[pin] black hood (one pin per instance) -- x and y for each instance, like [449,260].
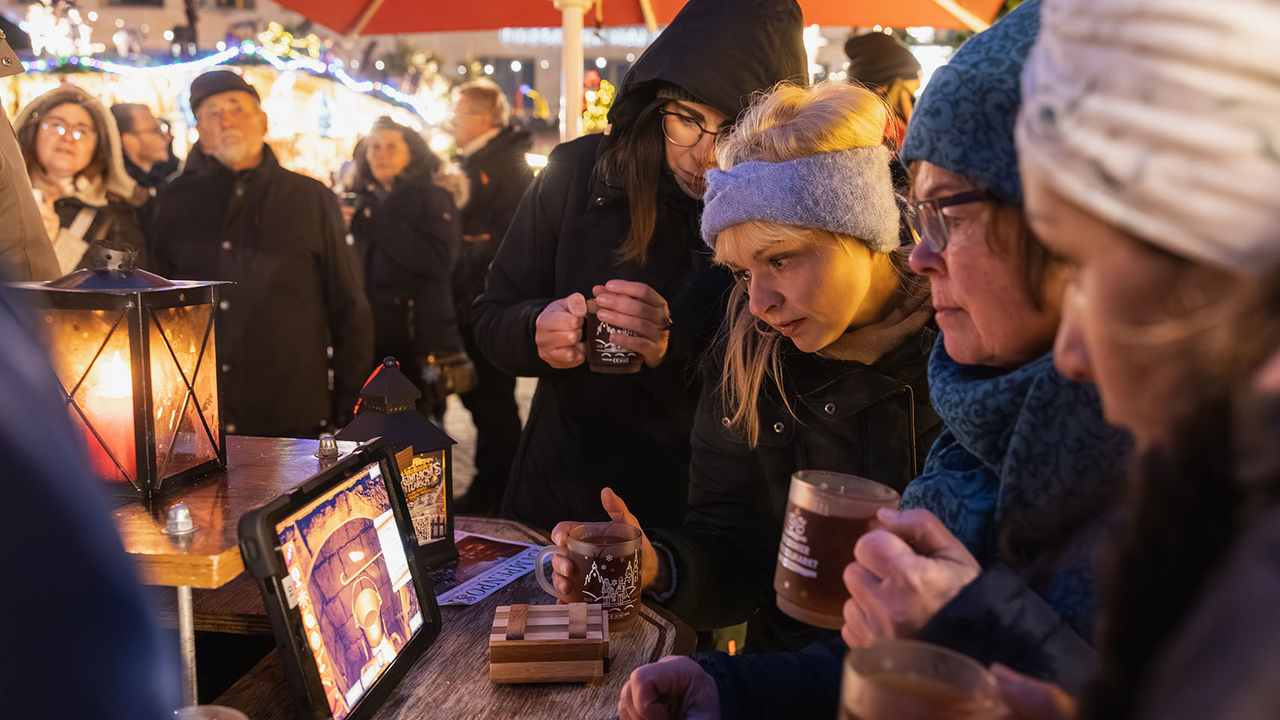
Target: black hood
[720,51]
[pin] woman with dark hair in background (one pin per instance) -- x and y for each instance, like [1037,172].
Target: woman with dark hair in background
[616,216]
[408,232]
[76,164]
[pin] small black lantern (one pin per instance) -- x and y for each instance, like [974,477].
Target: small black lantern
[388,409]
[137,359]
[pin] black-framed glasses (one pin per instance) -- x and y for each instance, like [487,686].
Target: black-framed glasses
[684,131]
[927,220]
[63,130]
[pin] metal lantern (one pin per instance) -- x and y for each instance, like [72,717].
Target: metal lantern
[388,409]
[137,360]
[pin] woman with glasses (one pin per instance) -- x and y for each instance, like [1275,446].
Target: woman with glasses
[74,157]
[992,552]
[614,217]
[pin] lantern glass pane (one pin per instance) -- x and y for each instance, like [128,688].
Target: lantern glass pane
[90,352]
[184,387]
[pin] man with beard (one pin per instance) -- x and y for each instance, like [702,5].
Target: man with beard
[235,214]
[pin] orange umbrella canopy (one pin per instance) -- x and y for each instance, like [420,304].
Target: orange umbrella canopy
[387,17]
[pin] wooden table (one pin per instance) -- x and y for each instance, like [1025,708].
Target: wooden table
[262,467]
[210,558]
[452,679]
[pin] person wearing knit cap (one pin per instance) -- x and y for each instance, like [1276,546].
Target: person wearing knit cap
[1148,139]
[883,63]
[614,217]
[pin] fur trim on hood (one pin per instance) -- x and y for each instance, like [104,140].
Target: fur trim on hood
[117,182]
[451,178]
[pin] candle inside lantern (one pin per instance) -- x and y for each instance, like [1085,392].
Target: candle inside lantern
[109,406]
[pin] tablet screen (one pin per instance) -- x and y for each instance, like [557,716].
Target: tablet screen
[352,583]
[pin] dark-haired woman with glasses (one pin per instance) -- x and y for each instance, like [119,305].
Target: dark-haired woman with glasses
[74,157]
[614,217]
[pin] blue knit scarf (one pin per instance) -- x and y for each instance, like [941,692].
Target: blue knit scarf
[1021,448]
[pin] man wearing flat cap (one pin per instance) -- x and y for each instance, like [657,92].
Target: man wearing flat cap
[235,214]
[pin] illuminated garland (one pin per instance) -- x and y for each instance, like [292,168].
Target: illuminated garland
[332,70]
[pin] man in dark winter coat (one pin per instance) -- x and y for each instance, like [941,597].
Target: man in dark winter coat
[145,143]
[629,432]
[492,155]
[235,214]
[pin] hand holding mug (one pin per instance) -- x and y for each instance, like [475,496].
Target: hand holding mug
[674,688]
[639,308]
[558,332]
[903,574]
[564,574]
[607,568]
[1029,699]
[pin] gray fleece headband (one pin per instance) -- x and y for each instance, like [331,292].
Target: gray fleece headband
[849,192]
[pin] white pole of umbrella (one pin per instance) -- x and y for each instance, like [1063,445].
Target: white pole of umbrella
[571,12]
[963,14]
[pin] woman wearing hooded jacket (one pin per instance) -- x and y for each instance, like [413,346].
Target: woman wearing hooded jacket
[74,157]
[408,234]
[615,216]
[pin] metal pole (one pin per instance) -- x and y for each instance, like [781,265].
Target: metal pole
[571,12]
[187,639]
[961,13]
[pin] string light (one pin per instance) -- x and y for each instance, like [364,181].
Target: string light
[431,114]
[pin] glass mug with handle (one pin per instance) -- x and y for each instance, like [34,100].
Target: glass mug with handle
[911,680]
[607,558]
[826,514]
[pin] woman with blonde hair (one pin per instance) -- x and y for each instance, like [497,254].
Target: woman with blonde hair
[820,363]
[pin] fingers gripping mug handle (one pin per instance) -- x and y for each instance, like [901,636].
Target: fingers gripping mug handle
[543,554]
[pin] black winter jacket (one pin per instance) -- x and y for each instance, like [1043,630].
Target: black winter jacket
[498,175]
[408,244]
[587,431]
[874,422]
[279,236]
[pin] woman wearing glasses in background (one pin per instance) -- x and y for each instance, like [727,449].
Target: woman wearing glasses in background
[615,216]
[73,154]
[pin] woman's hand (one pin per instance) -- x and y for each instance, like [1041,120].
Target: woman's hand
[558,332]
[674,688]
[640,309]
[1031,699]
[564,574]
[904,573]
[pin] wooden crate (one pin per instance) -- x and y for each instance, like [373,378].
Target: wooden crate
[549,643]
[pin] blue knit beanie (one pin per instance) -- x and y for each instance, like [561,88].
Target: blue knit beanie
[965,118]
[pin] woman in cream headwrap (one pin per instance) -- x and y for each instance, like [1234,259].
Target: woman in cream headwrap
[1149,139]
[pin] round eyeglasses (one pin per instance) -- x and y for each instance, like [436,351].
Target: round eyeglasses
[927,220]
[684,131]
[75,133]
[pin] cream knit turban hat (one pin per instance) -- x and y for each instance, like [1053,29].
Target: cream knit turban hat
[1163,118]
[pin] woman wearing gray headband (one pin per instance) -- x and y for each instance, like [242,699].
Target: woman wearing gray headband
[820,363]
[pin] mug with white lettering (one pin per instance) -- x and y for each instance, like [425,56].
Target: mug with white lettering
[826,514]
[607,558]
[603,355]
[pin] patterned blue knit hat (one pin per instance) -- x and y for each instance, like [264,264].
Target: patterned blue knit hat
[965,118]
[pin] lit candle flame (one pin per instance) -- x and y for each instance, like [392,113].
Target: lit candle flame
[114,378]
